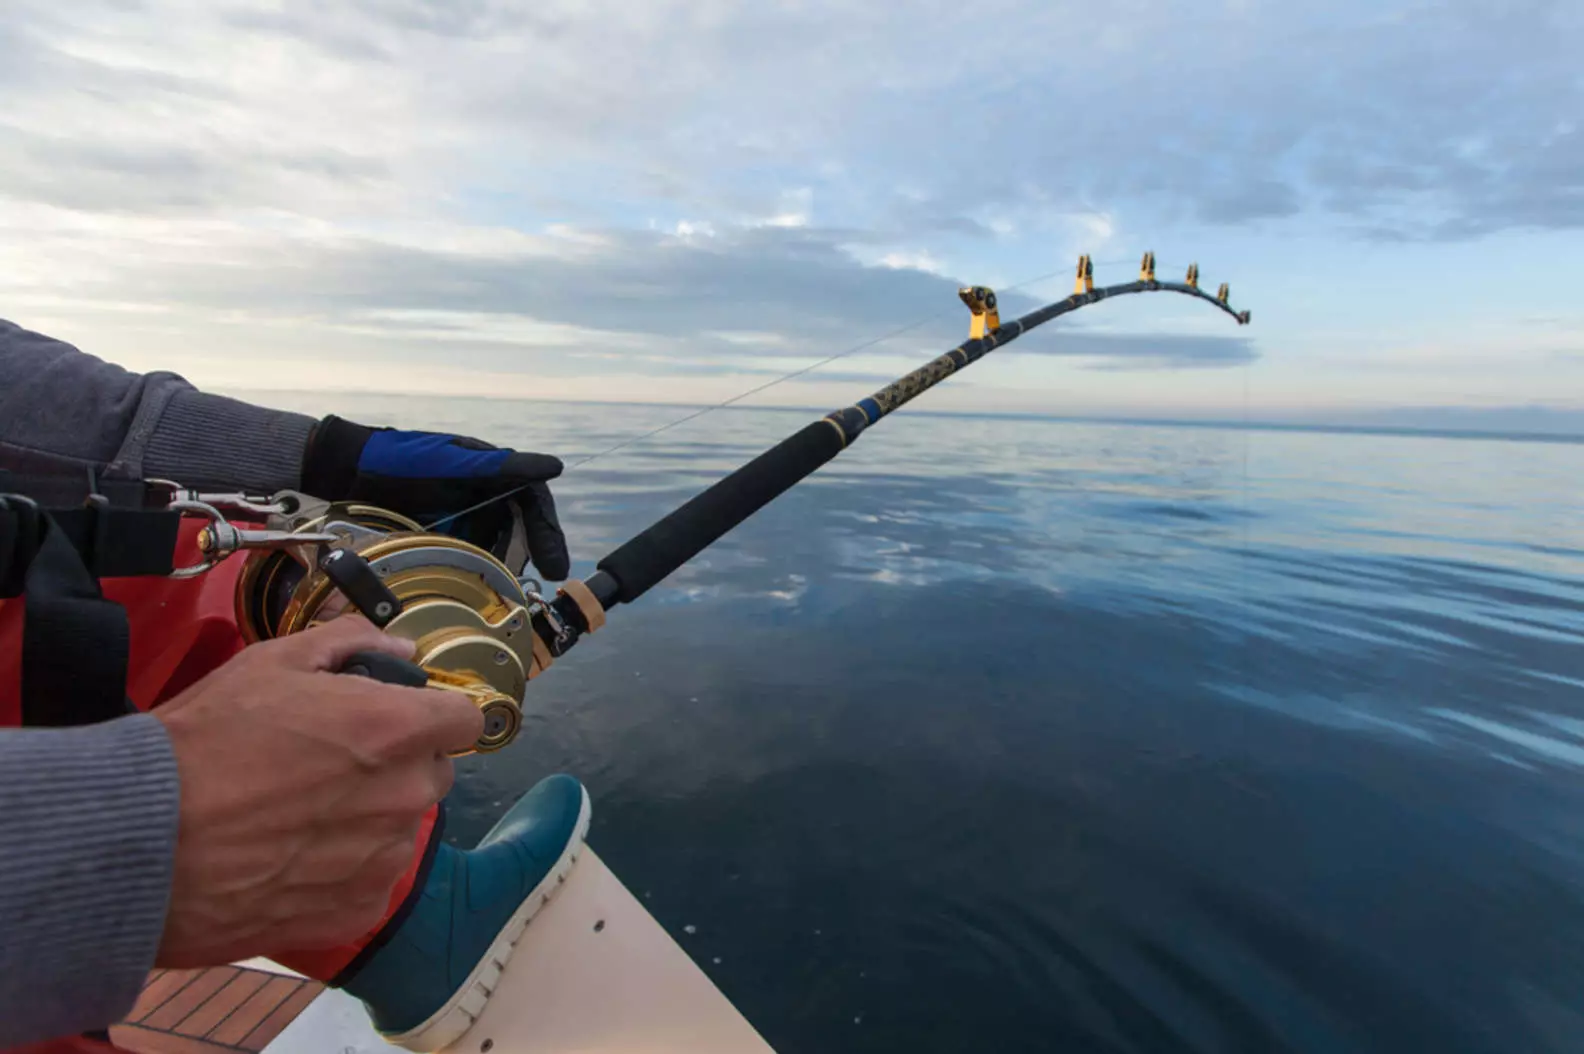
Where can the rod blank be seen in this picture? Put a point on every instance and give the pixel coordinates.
(639, 564)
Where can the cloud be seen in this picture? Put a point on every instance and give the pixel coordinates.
(790, 281)
(1137, 351)
(1424, 120)
(657, 183)
(722, 299)
(919, 261)
(151, 177)
(30, 63)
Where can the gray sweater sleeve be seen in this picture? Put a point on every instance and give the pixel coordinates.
(88, 816)
(88, 822)
(64, 410)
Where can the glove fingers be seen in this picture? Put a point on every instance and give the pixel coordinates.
(547, 545)
(526, 466)
(514, 545)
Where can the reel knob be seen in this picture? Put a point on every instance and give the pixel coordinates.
(502, 720)
(502, 717)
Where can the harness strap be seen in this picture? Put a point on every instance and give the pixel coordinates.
(56, 541)
(116, 528)
(74, 641)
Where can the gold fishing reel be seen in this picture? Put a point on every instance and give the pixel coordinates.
(471, 618)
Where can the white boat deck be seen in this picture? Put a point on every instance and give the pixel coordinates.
(594, 973)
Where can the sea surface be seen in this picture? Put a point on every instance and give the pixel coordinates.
(1048, 736)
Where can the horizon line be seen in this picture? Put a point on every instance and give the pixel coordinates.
(1132, 420)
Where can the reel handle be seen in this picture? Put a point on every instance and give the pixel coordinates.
(501, 720)
(385, 668)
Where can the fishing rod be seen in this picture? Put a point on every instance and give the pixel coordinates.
(642, 562)
(481, 630)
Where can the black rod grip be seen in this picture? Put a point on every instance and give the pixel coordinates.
(659, 550)
(605, 588)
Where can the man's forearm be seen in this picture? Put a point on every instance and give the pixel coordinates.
(210, 441)
(88, 826)
(62, 410)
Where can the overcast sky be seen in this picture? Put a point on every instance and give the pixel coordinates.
(677, 201)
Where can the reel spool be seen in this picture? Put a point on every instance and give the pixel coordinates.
(470, 617)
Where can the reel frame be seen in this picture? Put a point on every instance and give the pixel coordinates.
(474, 623)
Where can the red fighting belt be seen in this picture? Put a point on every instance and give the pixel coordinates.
(180, 630)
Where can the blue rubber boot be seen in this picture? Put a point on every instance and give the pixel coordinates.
(430, 979)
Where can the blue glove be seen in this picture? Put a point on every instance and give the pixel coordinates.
(429, 475)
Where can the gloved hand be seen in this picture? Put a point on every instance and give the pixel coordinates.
(429, 475)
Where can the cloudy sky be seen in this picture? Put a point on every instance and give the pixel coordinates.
(677, 201)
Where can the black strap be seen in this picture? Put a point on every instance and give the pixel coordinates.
(58, 537)
(116, 528)
(121, 543)
(54, 491)
(18, 541)
(74, 641)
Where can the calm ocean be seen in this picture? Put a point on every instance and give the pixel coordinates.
(1023, 735)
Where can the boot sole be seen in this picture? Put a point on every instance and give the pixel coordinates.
(452, 1021)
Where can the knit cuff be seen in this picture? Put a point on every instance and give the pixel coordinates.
(214, 442)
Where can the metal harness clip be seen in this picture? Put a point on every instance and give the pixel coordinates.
(271, 506)
(221, 538)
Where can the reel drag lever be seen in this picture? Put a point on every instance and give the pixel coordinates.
(357, 582)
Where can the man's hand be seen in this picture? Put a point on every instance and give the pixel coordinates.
(301, 794)
(430, 475)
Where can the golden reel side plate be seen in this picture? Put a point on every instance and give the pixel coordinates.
(464, 610)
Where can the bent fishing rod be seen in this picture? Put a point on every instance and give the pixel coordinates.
(645, 560)
(478, 627)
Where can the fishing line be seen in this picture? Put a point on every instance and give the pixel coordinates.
(743, 395)
(799, 372)
(757, 389)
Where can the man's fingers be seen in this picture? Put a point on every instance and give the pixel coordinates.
(455, 723)
(546, 544)
(431, 720)
(438, 721)
(329, 645)
(442, 773)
